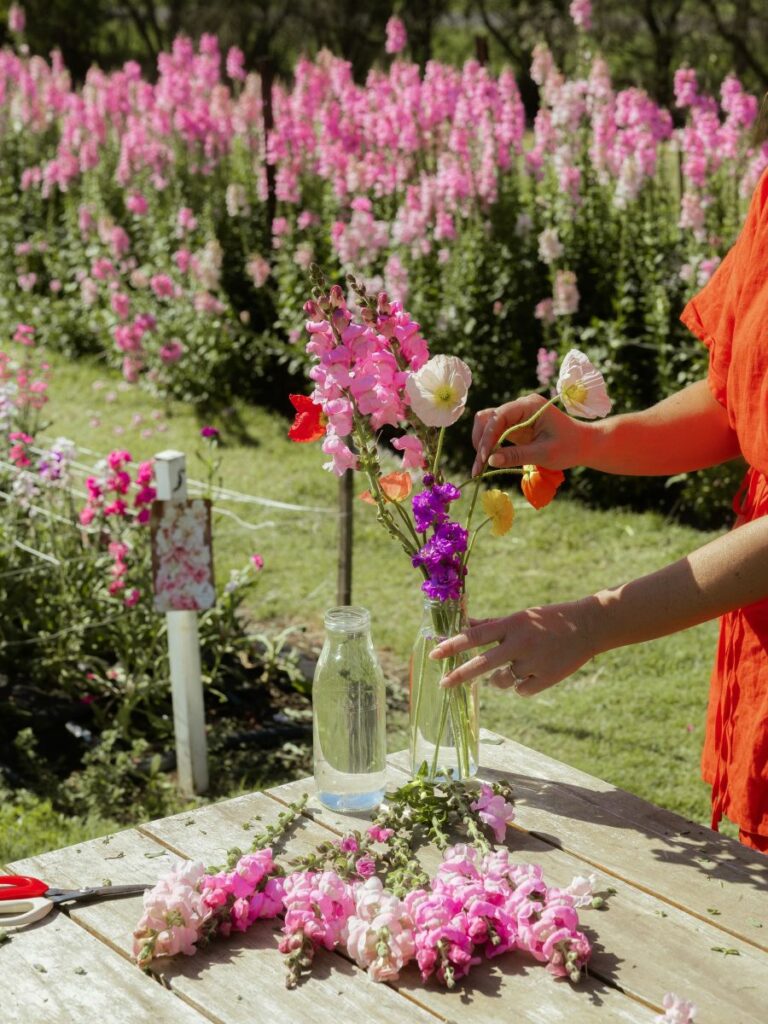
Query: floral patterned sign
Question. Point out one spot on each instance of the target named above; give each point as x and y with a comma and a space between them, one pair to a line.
182, 555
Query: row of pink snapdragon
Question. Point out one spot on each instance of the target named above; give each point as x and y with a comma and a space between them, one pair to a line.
477, 906
386, 173
439, 142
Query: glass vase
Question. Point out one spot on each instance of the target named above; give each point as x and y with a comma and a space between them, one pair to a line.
349, 715
444, 730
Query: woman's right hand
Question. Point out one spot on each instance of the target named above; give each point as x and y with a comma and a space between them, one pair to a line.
555, 440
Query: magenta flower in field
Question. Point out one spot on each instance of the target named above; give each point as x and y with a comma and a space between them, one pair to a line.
17, 19
581, 13
257, 561
397, 37
209, 431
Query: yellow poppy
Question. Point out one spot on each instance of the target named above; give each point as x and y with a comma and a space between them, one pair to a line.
499, 508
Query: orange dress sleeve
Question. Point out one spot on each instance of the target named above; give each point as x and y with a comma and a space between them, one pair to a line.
712, 314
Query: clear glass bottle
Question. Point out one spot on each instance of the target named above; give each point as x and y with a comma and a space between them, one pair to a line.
444, 729
349, 714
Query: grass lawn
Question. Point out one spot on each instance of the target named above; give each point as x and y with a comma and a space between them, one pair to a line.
634, 716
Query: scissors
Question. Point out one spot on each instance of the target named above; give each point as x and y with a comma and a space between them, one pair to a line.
24, 899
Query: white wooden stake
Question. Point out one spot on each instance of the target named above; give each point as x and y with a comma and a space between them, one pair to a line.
184, 654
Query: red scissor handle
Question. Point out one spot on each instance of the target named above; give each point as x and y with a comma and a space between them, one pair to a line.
17, 887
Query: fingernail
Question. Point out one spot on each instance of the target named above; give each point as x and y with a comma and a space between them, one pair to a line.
495, 460
434, 655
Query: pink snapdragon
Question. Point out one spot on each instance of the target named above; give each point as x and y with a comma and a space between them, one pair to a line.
24, 335
175, 914
676, 1010
162, 285
136, 204
581, 13
17, 19
412, 449
362, 368
318, 906
379, 933
397, 37
251, 891
494, 810
546, 364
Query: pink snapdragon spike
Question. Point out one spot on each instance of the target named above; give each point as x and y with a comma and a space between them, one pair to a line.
368, 359
581, 13
397, 37
175, 914
379, 933
17, 19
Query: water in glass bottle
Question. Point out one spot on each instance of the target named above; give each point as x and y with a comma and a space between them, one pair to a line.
349, 714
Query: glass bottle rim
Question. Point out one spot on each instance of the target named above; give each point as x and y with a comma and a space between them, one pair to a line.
347, 618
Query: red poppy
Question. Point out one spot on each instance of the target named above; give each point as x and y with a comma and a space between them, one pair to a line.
309, 424
540, 485
395, 487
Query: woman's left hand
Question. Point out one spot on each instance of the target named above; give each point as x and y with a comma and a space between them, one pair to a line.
535, 648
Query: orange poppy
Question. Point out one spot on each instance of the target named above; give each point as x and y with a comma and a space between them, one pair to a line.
394, 486
540, 485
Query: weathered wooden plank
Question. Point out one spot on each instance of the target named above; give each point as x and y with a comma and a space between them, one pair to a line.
238, 980
683, 959
55, 972
683, 863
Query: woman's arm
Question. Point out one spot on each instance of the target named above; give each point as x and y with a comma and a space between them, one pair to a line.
548, 643
687, 431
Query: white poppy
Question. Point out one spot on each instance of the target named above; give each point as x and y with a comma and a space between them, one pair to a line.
582, 388
438, 391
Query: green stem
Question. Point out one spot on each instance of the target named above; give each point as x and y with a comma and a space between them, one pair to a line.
440, 731
472, 542
518, 470
438, 452
525, 423
408, 522
417, 700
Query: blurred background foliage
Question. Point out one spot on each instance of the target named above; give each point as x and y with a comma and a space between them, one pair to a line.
644, 42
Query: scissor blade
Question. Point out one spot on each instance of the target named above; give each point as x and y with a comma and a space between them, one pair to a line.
100, 892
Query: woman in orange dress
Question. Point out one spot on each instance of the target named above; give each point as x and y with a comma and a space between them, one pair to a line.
707, 423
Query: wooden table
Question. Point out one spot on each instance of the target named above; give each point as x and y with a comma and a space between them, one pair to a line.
689, 915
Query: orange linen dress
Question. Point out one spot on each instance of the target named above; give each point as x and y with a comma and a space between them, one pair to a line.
730, 315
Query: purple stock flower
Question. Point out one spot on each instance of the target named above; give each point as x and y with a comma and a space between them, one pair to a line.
430, 507
441, 557
445, 584
209, 431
